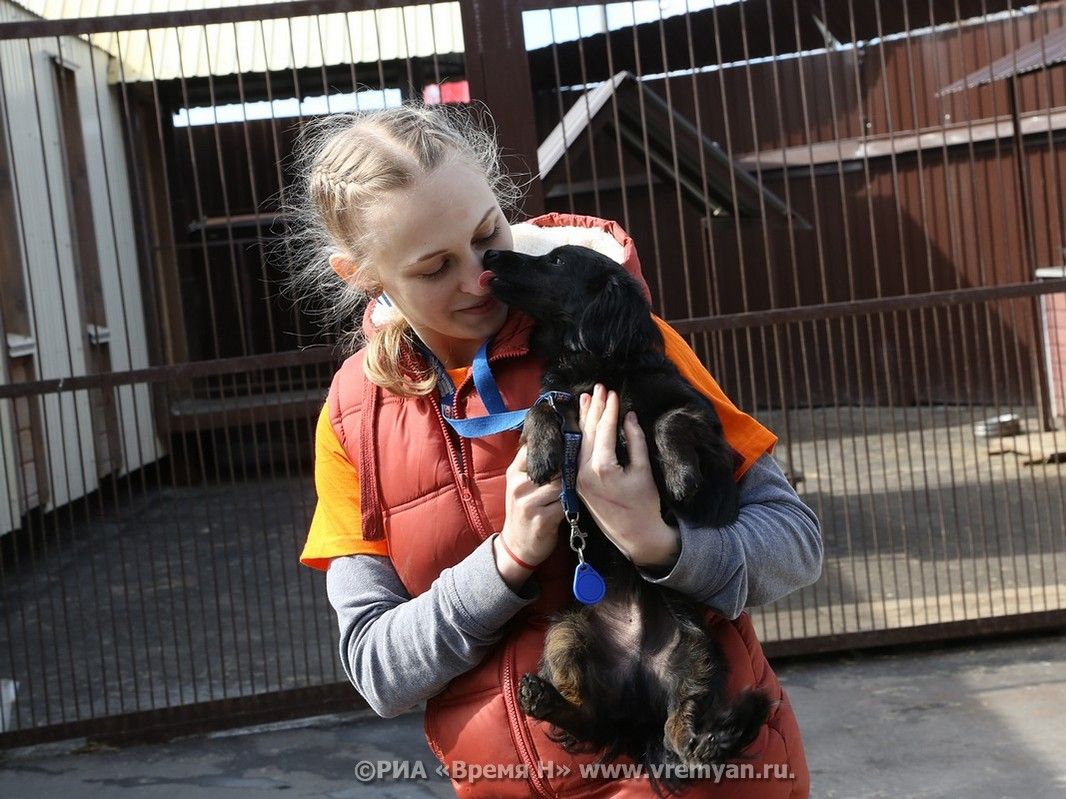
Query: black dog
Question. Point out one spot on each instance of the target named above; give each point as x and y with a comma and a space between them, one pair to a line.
637, 673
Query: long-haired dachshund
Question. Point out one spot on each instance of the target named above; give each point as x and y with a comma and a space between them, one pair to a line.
637, 673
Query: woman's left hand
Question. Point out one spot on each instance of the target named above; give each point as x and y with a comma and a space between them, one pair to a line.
624, 501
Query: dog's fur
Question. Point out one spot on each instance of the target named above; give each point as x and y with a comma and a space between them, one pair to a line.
636, 674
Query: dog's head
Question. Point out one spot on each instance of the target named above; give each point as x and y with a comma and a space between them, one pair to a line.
584, 300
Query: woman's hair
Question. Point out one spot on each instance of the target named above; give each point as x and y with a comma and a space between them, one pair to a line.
344, 164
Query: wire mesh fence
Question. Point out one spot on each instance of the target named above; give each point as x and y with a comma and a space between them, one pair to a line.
852, 210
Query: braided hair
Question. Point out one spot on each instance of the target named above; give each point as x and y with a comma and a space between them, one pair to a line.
345, 163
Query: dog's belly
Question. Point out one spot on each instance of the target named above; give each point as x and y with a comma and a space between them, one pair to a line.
637, 634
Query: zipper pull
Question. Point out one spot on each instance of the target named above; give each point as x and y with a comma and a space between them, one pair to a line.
464, 480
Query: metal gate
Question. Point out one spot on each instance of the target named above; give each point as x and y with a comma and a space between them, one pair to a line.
853, 210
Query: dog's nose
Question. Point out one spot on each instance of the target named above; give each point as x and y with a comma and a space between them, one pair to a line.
484, 278
489, 257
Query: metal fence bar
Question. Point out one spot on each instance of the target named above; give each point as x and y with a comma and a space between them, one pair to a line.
845, 310
172, 373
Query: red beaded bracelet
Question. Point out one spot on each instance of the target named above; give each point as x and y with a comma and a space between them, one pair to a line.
514, 557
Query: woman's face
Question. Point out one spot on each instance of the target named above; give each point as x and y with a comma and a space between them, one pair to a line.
427, 253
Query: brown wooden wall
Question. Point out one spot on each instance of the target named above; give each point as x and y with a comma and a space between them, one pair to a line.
926, 220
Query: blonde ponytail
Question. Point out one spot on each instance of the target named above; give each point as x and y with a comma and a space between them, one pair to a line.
382, 365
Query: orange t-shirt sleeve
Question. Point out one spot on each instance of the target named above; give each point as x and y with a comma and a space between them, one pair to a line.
744, 434
336, 528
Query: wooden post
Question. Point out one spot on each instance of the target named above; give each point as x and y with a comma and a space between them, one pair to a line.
497, 69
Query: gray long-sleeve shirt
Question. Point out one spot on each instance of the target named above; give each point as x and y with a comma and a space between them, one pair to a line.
398, 651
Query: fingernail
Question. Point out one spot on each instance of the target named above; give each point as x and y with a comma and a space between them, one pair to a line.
584, 399
631, 417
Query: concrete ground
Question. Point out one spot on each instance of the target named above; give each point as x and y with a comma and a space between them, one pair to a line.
974, 719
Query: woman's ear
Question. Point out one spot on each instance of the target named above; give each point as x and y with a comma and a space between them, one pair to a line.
358, 277
343, 265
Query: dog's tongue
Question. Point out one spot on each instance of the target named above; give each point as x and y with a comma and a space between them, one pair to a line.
484, 278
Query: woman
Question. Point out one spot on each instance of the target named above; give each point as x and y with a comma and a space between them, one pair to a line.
444, 561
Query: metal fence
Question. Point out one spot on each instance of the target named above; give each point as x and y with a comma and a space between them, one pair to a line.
852, 210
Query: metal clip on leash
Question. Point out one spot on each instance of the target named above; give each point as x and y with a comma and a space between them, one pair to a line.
577, 539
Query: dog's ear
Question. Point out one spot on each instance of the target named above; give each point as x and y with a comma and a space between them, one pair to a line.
616, 321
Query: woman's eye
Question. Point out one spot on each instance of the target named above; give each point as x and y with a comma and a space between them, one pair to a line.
490, 237
437, 273
444, 264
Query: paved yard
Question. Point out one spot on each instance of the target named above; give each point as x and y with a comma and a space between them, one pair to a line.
980, 720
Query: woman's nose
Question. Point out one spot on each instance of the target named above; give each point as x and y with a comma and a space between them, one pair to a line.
472, 271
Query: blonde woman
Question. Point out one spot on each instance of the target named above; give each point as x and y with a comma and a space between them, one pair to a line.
443, 560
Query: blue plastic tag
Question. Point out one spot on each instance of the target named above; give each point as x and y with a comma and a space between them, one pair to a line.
589, 587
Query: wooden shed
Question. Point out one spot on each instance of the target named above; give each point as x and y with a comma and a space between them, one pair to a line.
70, 291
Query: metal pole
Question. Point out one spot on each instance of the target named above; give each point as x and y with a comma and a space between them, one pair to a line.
1042, 387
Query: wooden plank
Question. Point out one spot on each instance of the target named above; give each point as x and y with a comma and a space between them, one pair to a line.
86, 265
857, 149
13, 315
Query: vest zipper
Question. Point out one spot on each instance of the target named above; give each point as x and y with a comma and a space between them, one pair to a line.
519, 732
455, 456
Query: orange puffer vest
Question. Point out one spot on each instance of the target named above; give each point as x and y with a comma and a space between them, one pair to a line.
435, 497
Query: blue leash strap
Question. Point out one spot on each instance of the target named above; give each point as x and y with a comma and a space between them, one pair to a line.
486, 383
498, 418
571, 449
589, 587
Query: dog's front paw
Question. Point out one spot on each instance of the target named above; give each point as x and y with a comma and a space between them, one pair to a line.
697, 467
544, 444
675, 443
681, 480
542, 464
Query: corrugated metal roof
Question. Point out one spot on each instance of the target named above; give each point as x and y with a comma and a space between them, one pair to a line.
299, 42
1049, 49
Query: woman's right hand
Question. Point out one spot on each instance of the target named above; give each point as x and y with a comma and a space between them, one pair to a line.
533, 516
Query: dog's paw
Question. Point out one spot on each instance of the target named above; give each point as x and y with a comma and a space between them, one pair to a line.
731, 730
675, 444
544, 444
702, 749
542, 464
535, 696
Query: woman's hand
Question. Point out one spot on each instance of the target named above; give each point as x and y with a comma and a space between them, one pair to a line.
623, 501
531, 525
